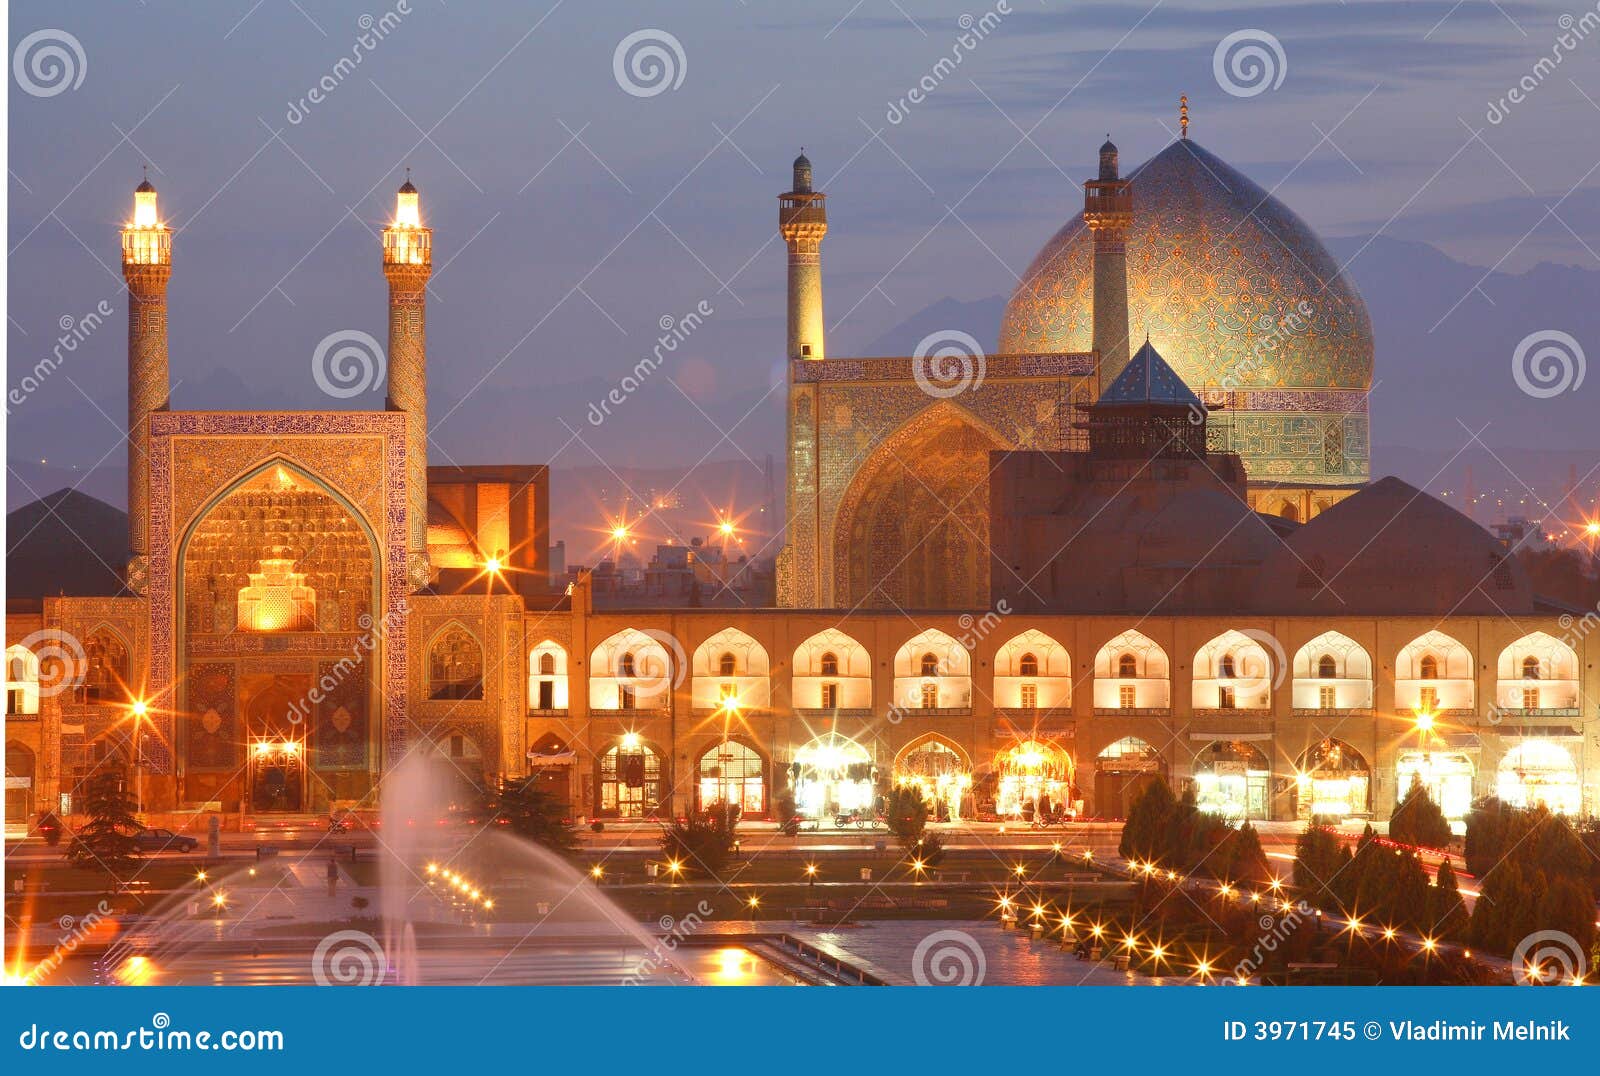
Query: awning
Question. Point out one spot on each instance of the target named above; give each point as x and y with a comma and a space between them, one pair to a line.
561, 758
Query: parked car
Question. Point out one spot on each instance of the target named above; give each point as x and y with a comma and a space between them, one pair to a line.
161, 840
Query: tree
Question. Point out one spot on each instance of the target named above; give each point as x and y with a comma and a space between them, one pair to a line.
702, 842
1567, 906
1319, 859
1485, 842
1147, 834
531, 810
907, 814
1448, 914
106, 841
1417, 820
1239, 856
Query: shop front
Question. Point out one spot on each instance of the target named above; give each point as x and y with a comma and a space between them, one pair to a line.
833, 775
941, 772
1230, 779
1034, 778
1446, 774
1332, 782
1121, 772
733, 774
1540, 773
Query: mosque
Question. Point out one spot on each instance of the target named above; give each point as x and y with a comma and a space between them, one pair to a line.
1139, 540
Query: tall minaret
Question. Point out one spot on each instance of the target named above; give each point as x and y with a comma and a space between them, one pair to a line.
407, 263
803, 221
146, 266
1108, 211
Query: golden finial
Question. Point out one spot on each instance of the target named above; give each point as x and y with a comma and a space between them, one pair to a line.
1183, 115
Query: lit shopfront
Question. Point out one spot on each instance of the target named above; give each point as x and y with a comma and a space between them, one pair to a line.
833, 775
1333, 782
1447, 775
1033, 777
733, 774
1540, 773
941, 772
1230, 780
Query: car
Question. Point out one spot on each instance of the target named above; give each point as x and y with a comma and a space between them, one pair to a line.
161, 840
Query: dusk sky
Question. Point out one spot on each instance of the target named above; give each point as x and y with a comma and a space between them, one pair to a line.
572, 216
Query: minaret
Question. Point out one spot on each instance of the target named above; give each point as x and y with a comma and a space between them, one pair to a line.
803, 221
1108, 211
146, 266
407, 263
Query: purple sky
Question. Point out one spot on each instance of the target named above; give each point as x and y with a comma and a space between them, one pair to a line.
571, 216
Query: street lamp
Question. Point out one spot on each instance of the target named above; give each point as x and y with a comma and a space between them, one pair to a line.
138, 709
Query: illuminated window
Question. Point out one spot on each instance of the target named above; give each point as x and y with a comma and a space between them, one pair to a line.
830, 664
626, 699
1530, 668
727, 693
830, 696
277, 597
22, 681
455, 666
1127, 696
630, 782
1530, 698
930, 665
732, 774
1428, 698
1428, 667
930, 696
1028, 665
625, 667
1030, 696
1225, 698
1225, 669
1127, 666
1327, 667
726, 665
547, 664
1328, 698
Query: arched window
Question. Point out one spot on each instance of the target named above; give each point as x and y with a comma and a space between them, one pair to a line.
1327, 667
1530, 668
1028, 665
726, 664
105, 677
1428, 667
547, 676
455, 666
1127, 667
22, 680
830, 664
547, 664
930, 696
930, 665
731, 774
625, 667
1225, 669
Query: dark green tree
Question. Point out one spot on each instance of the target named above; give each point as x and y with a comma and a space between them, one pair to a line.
1446, 911
702, 843
907, 815
105, 843
1240, 857
1319, 859
1567, 906
531, 810
1147, 834
1417, 820
1485, 842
